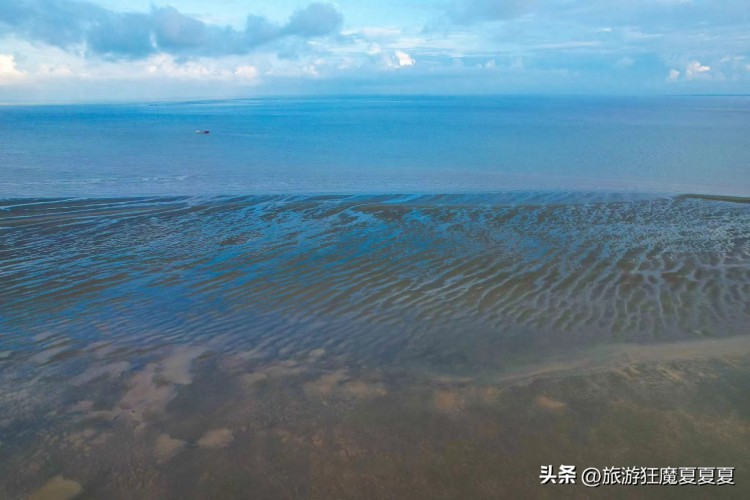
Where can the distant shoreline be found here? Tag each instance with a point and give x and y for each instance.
(714, 197)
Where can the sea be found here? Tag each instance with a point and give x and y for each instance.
(374, 297)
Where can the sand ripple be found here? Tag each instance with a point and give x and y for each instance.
(443, 280)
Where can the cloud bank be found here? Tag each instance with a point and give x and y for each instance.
(76, 25)
(87, 49)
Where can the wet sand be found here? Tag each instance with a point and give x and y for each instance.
(371, 347)
(314, 428)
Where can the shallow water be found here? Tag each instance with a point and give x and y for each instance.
(370, 346)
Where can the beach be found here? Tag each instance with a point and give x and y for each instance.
(370, 346)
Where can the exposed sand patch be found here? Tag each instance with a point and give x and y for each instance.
(149, 390)
(252, 378)
(315, 354)
(622, 356)
(216, 438)
(549, 404)
(447, 401)
(270, 371)
(145, 395)
(325, 385)
(670, 374)
(363, 389)
(166, 447)
(176, 367)
(489, 394)
(57, 488)
(276, 369)
(290, 438)
(112, 370)
(339, 383)
(454, 398)
(251, 354)
(102, 348)
(44, 357)
(286, 368)
(83, 441)
(41, 337)
(76, 440)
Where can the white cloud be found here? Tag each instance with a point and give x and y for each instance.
(395, 59)
(246, 72)
(404, 59)
(377, 32)
(374, 49)
(695, 69)
(9, 73)
(166, 66)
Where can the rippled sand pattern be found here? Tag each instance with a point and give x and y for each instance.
(374, 277)
(319, 347)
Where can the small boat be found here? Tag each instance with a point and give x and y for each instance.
(202, 131)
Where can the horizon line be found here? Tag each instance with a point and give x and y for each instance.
(290, 96)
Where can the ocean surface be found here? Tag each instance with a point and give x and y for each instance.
(377, 145)
(373, 297)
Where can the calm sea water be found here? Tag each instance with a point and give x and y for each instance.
(377, 145)
(182, 316)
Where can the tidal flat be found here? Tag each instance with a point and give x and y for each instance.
(420, 346)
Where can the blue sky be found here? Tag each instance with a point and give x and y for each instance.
(71, 50)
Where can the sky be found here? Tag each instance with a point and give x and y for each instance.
(118, 50)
